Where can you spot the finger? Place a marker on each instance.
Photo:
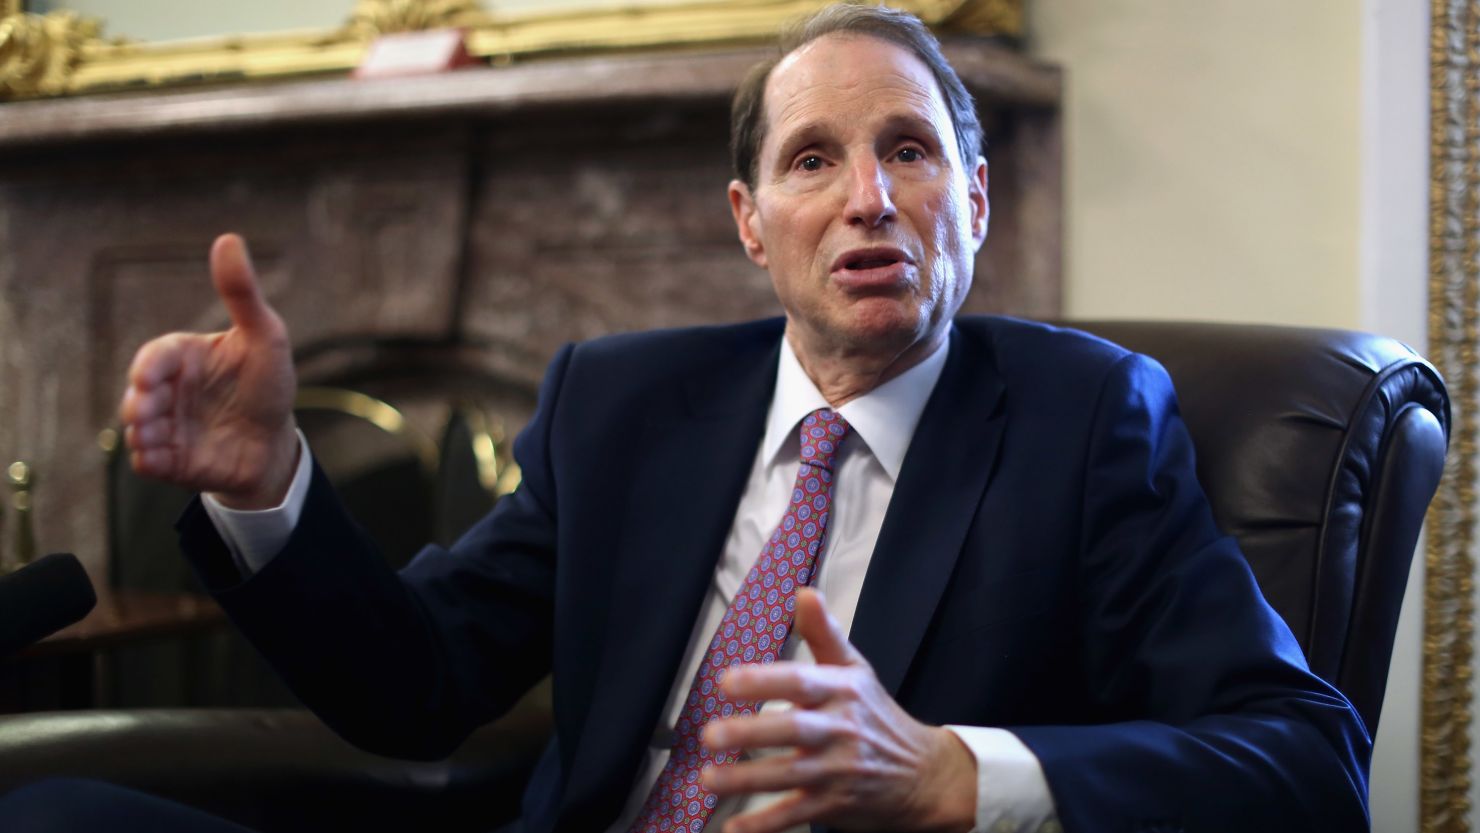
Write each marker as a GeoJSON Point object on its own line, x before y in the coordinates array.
{"type": "Point", "coordinates": [775, 773]}
{"type": "Point", "coordinates": [822, 632]}
{"type": "Point", "coordinates": [794, 810]}
{"type": "Point", "coordinates": [143, 405]}
{"type": "Point", "coordinates": [154, 462]}
{"type": "Point", "coordinates": [152, 434]}
{"type": "Point", "coordinates": [236, 283]}
{"type": "Point", "coordinates": [790, 727]}
{"type": "Point", "coordinates": [808, 686]}
{"type": "Point", "coordinates": [160, 359]}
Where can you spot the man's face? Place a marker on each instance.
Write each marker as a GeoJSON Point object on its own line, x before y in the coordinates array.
{"type": "Point", "coordinates": [861, 211]}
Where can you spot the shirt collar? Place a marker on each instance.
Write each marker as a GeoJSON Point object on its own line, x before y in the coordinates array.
{"type": "Point", "coordinates": [884, 418]}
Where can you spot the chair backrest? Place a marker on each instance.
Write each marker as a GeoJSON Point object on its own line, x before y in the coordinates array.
{"type": "Point", "coordinates": [1319, 451]}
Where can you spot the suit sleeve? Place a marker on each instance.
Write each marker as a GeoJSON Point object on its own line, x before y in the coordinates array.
{"type": "Point", "coordinates": [1207, 717]}
{"type": "Point", "coordinates": [404, 664]}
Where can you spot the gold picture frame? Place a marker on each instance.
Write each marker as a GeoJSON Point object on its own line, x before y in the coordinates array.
{"type": "Point", "coordinates": [62, 53]}
{"type": "Point", "coordinates": [1454, 347]}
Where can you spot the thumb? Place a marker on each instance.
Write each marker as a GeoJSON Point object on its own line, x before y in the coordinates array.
{"type": "Point", "coordinates": [236, 283]}
{"type": "Point", "coordinates": [822, 632]}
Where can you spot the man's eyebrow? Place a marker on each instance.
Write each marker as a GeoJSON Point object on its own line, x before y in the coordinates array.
{"type": "Point", "coordinates": [913, 123]}
{"type": "Point", "coordinates": [899, 122]}
{"type": "Point", "coordinates": [803, 134]}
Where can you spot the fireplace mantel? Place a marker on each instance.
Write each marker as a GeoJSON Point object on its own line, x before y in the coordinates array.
{"type": "Point", "coordinates": [1003, 78]}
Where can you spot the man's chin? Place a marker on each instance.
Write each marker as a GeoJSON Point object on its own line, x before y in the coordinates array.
{"type": "Point", "coordinates": [884, 328]}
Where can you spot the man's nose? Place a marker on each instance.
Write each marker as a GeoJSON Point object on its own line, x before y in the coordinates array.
{"type": "Point", "coordinates": [869, 200]}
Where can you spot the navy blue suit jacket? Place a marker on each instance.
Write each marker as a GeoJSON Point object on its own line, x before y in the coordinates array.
{"type": "Point", "coordinates": [1048, 564]}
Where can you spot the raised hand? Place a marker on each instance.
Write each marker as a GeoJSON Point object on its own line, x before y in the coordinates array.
{"type": "Point", "coordinates": [859, 761]}
{"type": "Point", "coordinates": [214, 412]}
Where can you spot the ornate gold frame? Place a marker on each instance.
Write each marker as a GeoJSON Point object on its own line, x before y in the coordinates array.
{"type": "Point", "coordinates": [63, 54]}
{"type": "Point", "coordinates": [1454, 312]}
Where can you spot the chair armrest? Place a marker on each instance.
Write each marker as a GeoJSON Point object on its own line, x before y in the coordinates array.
{"type": "Point", "coordinates": [279, 770]}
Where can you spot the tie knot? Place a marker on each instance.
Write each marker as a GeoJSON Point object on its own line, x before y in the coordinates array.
{"type": "Point", "coordinates": [822, 433]}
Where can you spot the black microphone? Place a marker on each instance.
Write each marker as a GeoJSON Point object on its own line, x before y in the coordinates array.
{"type": "Point", "coordinates": [41, 598]}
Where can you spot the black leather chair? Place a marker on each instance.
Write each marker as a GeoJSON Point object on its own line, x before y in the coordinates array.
{"type": "Point", "coordinates": [1319, 449]}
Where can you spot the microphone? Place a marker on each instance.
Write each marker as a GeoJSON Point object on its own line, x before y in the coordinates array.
{"type": "Point", "coordinates": [41, 598]}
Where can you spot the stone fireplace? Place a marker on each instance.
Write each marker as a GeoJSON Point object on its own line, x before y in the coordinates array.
{"type": "Point", "coordinates": [429, 240]}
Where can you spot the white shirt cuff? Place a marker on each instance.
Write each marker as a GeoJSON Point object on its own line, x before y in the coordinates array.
{"type": "Point", "coordinates": [1011, 793]}
{"type": "Point", "coordinates": [254, 536]}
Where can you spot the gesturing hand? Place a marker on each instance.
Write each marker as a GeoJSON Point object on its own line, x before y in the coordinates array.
{"type": "Point", "coordinates": [214, 412]}
{"type": "Point", "coordinates": [858, 760]}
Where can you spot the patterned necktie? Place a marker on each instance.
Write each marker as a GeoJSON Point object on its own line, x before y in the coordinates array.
{"type": "Point", "coordinates": [753, 631]}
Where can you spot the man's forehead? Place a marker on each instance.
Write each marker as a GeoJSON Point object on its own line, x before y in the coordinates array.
{"type": "Point", "coordinates": [845, 68]}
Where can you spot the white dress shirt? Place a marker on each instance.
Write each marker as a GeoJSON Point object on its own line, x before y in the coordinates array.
{"type": "Point", "coordinates": [1012, 794]}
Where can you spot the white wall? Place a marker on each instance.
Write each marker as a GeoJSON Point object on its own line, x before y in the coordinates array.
{"type": "Point", "coordinates": [1213, 156]}
{"type": "Point", "coordinates": [1255, 160]}
{"type": "Point", "coordinates": [156, 20]}
{"type": "Point", "coordinates": [1394, 276]}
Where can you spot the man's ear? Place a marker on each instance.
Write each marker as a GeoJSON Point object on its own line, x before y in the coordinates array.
{"type": "Point", "coordinates": [747, 222]}
{"type": "Point", "coordinates": [976, 194]}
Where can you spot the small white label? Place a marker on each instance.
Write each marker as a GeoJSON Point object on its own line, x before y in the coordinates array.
{"type": "Point", "coordinates": [412, 53]}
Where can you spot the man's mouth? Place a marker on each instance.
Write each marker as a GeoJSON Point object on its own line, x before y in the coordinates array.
{"type": "Point", "coordinates": [861, 260]}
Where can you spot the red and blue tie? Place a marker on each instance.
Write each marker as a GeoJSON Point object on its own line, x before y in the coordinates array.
{"type": "Point", "coordinates": [753, 630]}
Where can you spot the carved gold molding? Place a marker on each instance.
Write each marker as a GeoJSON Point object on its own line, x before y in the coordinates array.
{"type": "Point", "coordinates": [1454, 346]}
{"type": "Point", "coordinates": [381, 17]}
{"type": "Point", "coordinates": [39, 53]}
{"type": "Point", "coordinates": [61, 54]}
{"type": "Point", "coordinates": [1000, 17]}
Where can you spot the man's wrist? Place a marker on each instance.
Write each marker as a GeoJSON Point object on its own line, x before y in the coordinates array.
{"type": "Point", "coordinates": [255, 537]}
{"type": "Point", "coordinates": [951, 804]}
{"type": "Point", "coordinates": [277, 477]}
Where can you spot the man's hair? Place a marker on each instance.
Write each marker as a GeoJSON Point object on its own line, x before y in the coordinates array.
{"type": "Point", "coordinates": [748, 110]}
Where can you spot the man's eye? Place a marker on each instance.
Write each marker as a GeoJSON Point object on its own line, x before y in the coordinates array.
{"type": "Point", "coordinates": [910, 155]}
{"type": "Point", "coordinates": [810, 163]}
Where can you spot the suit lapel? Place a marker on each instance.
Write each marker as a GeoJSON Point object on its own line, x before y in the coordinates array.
{"type": "Point", "coordinates": [680, 506]}
{"type": "Point", "coordinates": [935, 501]}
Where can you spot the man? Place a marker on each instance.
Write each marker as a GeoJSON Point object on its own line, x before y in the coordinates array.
{"type": "Point", "coordinates": [1003, 518]}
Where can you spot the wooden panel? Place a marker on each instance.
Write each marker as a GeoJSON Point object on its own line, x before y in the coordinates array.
{"type": "Point", "coordinates": [606, 224]}
{"type": "Point", "coordinates": [1020, 269]}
